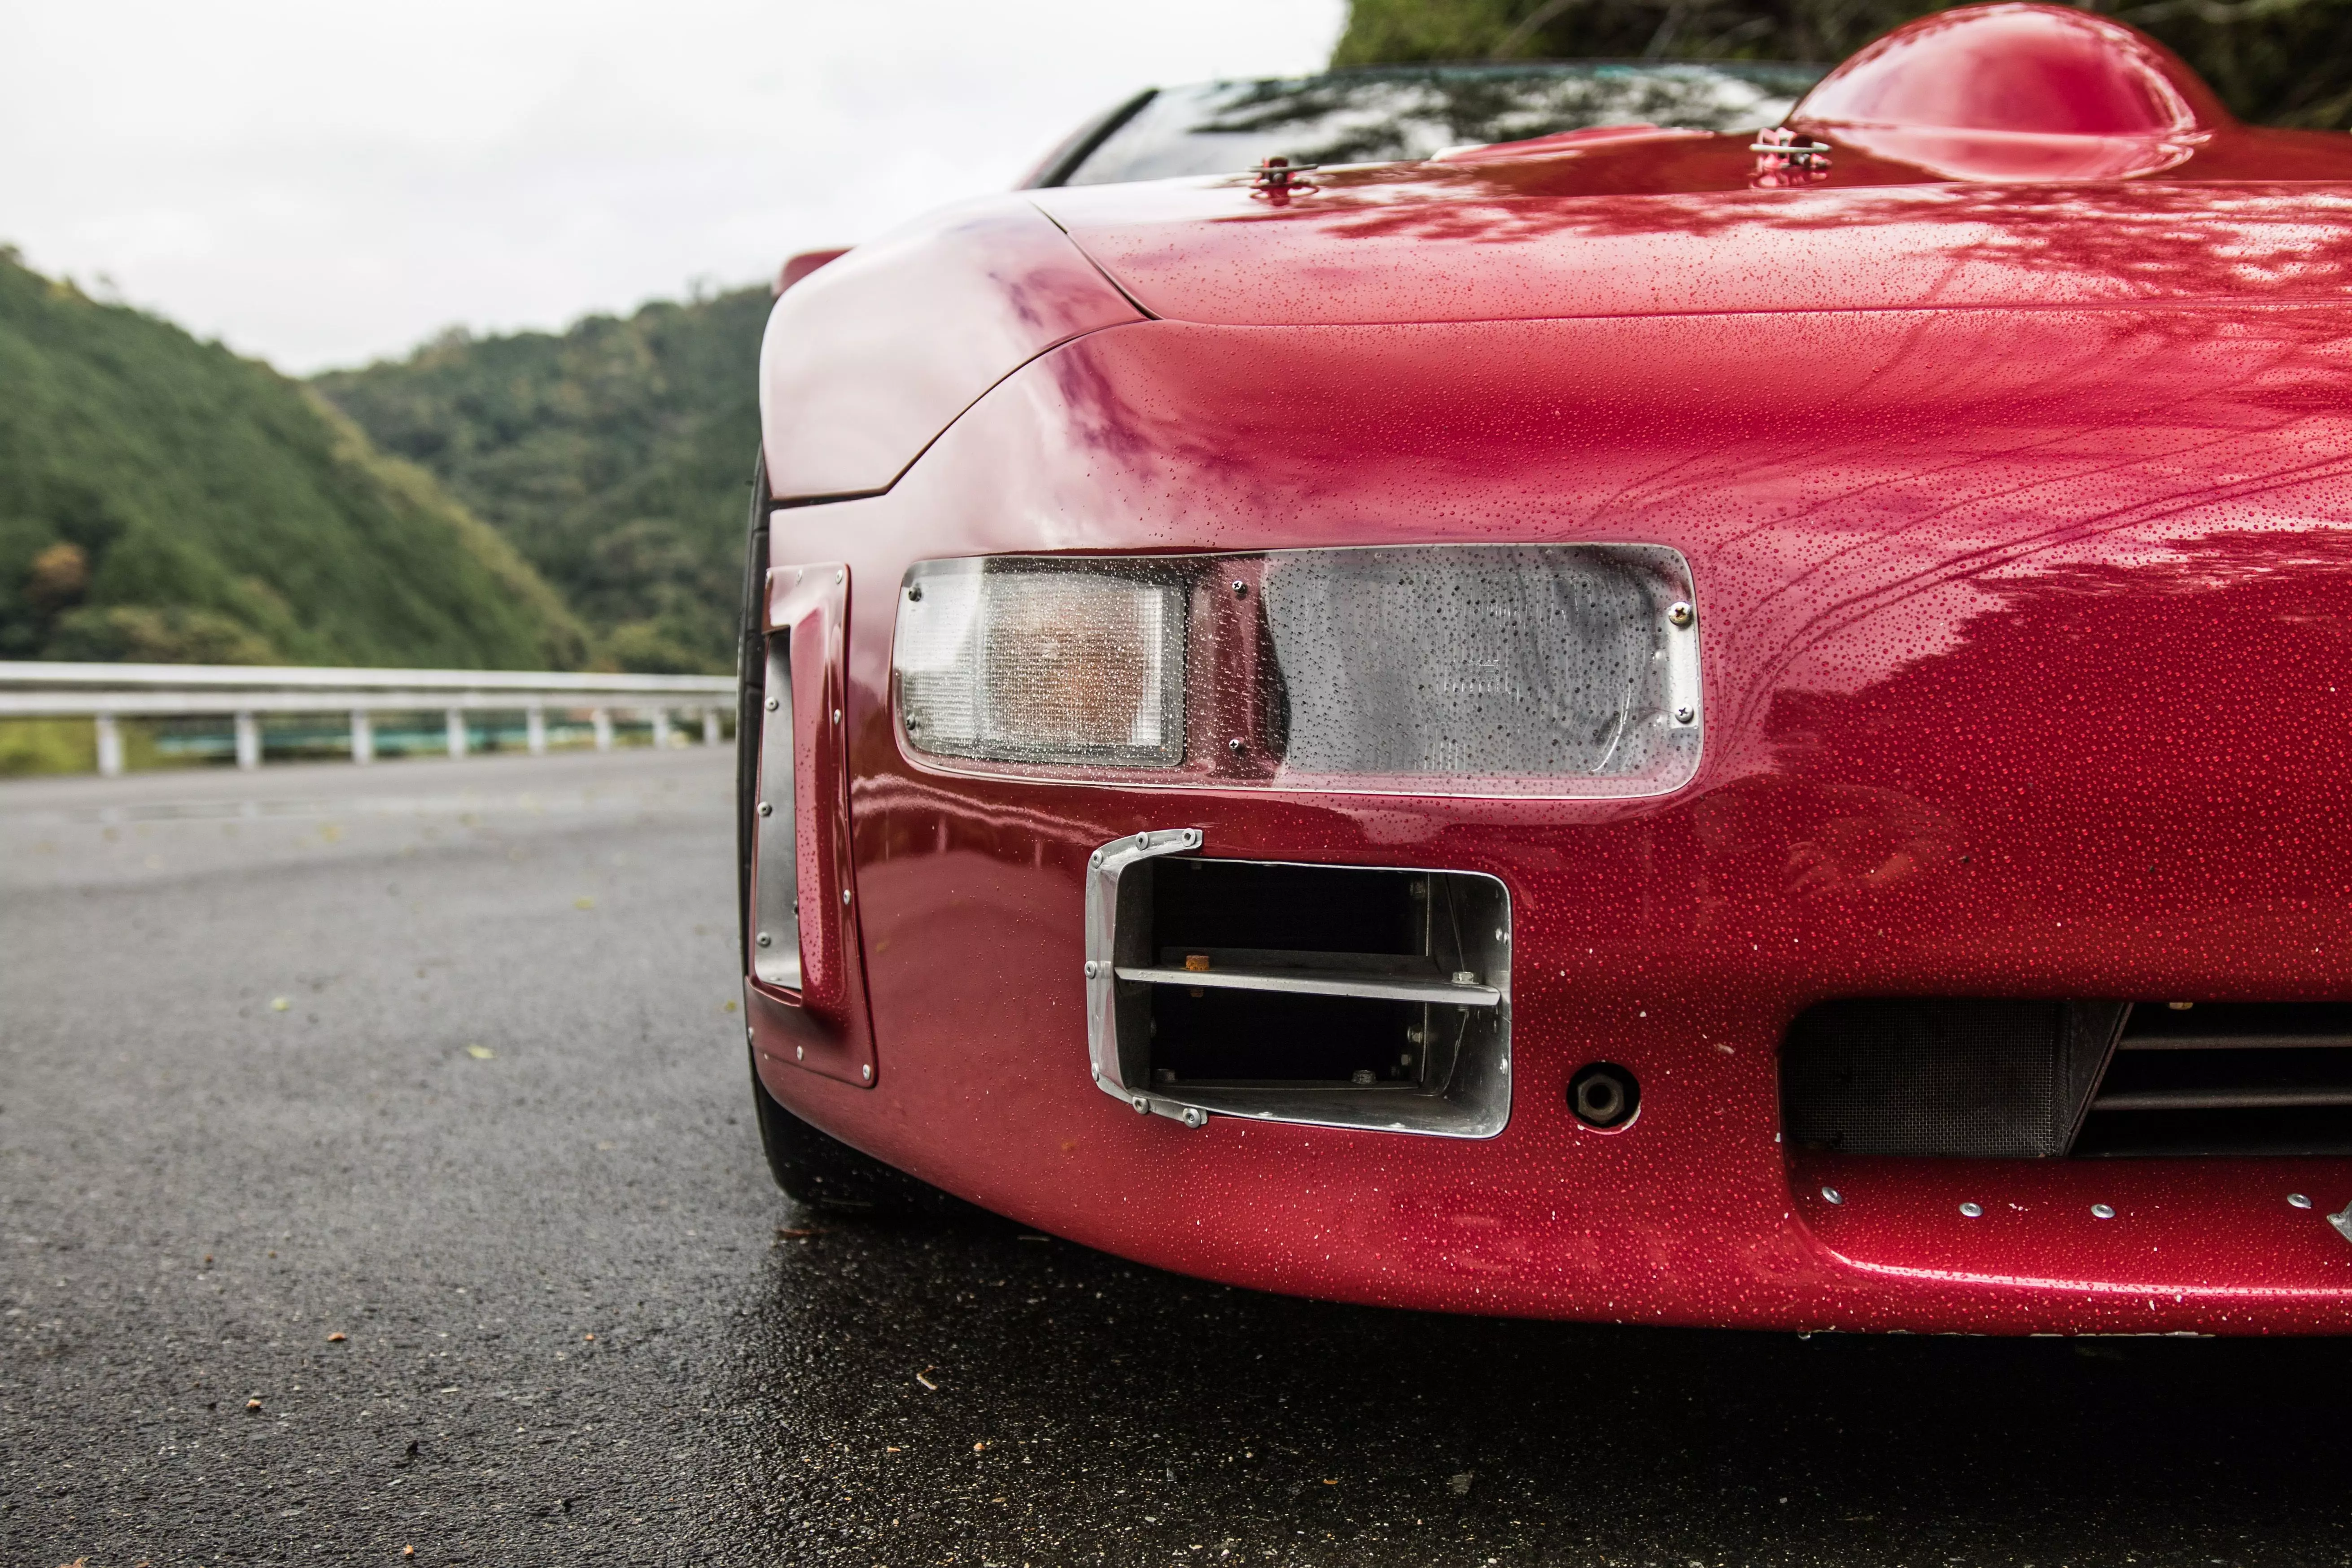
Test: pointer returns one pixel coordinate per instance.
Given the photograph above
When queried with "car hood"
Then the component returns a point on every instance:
(1675, 223)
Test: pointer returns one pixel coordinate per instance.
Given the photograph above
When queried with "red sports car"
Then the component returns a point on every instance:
(1657, 722)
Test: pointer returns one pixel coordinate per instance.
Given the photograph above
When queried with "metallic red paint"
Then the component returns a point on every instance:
(883, 347)
(2021, 524)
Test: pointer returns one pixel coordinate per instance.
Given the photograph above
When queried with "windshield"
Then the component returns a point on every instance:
(1413, 111)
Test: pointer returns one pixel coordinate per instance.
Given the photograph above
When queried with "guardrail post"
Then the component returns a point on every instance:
(109, 746)
(455, 725)
(534, 729)
(603, 718)
(660, 717)
(710, 726)
(249, 740)
(363, 735)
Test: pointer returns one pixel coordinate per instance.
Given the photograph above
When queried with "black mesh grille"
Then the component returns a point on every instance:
(1978, 1079)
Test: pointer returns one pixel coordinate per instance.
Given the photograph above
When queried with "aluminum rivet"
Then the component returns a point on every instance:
(767, 810)
(1096, 859)
(914, 595)
(836, 715)
(845, 895)
(772, 705)
(1465, 977)
(2298, 1201)
(1685, 714)
(867, 1072)
(1142, 1105)
(766, 940)
(1832, 1194)
(1974, 1211)
(1144, 841)
(1240, 589)
(1092, 968)
(839, 575)
(2103, 1211)
(1679, 612)
(800, 1053)
(1195, 1117)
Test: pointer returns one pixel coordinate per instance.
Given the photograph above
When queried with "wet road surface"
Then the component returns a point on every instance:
(377, 1172)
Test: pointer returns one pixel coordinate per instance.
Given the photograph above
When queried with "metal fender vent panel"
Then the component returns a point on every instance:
(2001, 1078)
(1336, 995)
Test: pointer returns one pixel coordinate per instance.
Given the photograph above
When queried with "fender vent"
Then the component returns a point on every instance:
(1999, 1079)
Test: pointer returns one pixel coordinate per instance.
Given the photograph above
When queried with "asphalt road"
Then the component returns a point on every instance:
(376, 1172)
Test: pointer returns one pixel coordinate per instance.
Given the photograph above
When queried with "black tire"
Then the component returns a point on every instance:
(820, 1170)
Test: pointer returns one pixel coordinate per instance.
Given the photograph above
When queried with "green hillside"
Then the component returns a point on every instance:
(2276, 62)
(614, 455)
(162, 498)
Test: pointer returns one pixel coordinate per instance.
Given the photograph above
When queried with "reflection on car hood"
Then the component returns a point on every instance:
(1629, 227)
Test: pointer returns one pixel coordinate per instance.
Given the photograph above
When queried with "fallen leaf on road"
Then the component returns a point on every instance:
(338, 1337)
(583, 902)
(729, 1008)
(926, 1381)
(481, 1053)
(254, 1405)
(279, 1004)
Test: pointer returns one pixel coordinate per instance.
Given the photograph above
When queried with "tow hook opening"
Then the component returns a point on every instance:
(1604, 1096)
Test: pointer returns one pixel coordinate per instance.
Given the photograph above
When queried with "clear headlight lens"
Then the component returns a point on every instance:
(1541, 670)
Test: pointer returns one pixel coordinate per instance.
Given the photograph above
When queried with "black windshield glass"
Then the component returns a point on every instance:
(1401, 113)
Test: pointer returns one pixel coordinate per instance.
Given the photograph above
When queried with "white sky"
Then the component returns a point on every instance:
(328, 181)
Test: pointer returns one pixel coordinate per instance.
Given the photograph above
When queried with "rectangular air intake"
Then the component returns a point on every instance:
(2001, 1078)
(2227, 1078)
(1342, 997)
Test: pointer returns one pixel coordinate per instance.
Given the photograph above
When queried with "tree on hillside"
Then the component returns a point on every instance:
(2277, 62)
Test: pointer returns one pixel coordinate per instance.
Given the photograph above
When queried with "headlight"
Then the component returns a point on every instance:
(1464, 670)
(1016, 661)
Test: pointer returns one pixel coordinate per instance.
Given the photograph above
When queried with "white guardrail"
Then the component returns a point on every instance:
(107, 693)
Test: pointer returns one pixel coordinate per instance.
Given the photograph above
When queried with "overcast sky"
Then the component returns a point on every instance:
(326, 183)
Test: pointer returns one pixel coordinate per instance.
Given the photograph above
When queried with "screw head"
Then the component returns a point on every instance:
(1685, 714)
(1830, 1195)
(766, 809)
(836, 715)
(1195, 1117)
(1680, 614)
(800, 1053)
(2103, 1211)
(1236, 746)
(845, 895)
(2298, 1200)
(915, 594)
(1093, 969)
(1240, 589)
(1973, 1211)
(773, 705)
(839, 575)
(767, 940)
(867, 1072)
(1142, 1105)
